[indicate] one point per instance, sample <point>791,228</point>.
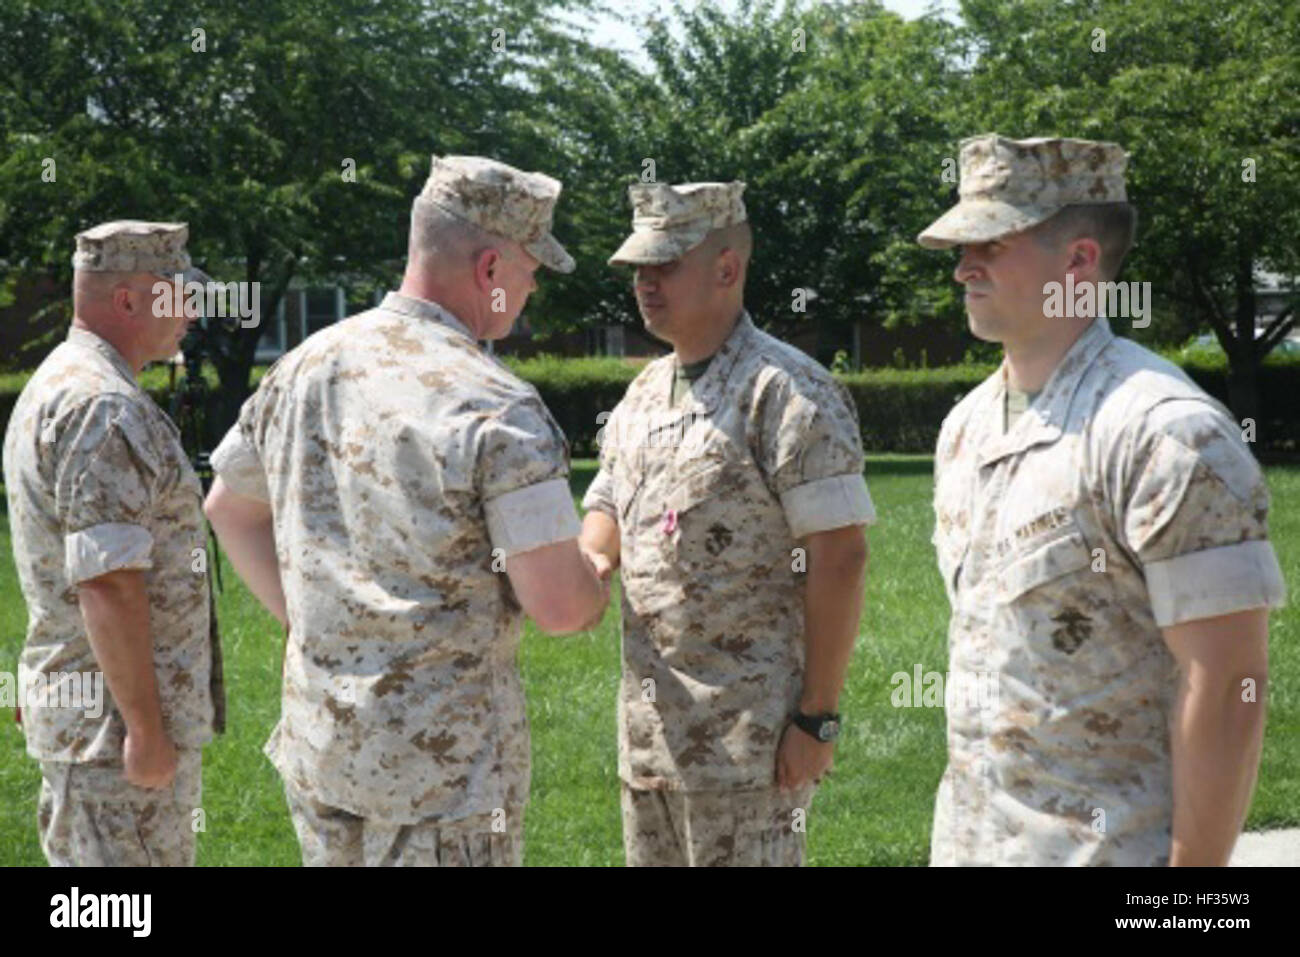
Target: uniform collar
<point>1042,422</point>
<point>89,340</point>
<point>424,309</point>
<point>709,389</point>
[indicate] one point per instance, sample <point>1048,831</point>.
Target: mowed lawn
<point>874,809</point>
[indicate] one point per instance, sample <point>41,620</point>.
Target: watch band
<point>822,727</point>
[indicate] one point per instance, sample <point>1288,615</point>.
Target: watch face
<point>829,730</point>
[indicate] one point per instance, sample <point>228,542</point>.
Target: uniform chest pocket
<point>704,521</point>
<point>1040,566</point>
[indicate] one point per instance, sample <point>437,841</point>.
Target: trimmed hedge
<point>900,409</point>
<point>577,391</point>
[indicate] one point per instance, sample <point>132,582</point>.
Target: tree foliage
<point>843,118</point>
<point>1205,96</point>
<point>243,130</point>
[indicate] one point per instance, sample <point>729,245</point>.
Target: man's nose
<point>968,267</point>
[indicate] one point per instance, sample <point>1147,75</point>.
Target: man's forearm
<point>246,529</point>
<point>115,608</point>
<point>832,611</point>
<point>251,550</point>
<point>1216,740</point>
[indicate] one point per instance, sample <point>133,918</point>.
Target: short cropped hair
<point>1112,225</point>
<point>738,237</point>
<point>92,286</point>
<point>439,235</point>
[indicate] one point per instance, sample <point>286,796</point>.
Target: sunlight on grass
<point>874,809</point>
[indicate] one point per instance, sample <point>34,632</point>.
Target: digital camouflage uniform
<point>403,465</point>
<point>1010,185</point>
<point>98,482</point>
<point>91,816</point>
<point>712,497</point>
<point>1121,502</point>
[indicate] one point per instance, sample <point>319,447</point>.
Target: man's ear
<point>728,271</point>
<point>487,264</point>
<point>1085,257</point>
<point>123,301</point>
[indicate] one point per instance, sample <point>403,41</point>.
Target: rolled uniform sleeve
<point>522,467</point>
<point>106,474</point>
<point>812,450</point>
<point>1196,517</point>
<point>237,460</point>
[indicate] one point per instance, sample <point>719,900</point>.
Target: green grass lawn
<point>874,809</point>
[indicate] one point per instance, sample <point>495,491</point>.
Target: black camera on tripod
<point>190,403</point>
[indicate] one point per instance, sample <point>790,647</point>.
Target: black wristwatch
<point>823,727</point>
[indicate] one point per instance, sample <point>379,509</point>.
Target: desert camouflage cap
<point>669,221</point>
<point>1010,185</point>
<point>130,245</point>
<point>501,199</point>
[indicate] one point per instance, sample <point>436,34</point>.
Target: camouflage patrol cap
<point>502,200</point>
<point>1010,185</point>
<point>130,245</point>
<point>670,221</point>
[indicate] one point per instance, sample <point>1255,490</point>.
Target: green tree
<point>713,74</point>
<point>855,162</point>
<point>244,130</point>
<point>823,109</point>
<point>1193,90</point>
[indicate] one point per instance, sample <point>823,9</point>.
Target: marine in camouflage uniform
<point>98,482</point>
<point>1120,502</point>
<point>403,465</point>
<point>713,496</point>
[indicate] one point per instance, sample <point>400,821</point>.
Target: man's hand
<point>150,759</point>
<point>600,543</point>
<point>801,759</point>
<point>601,564</point>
